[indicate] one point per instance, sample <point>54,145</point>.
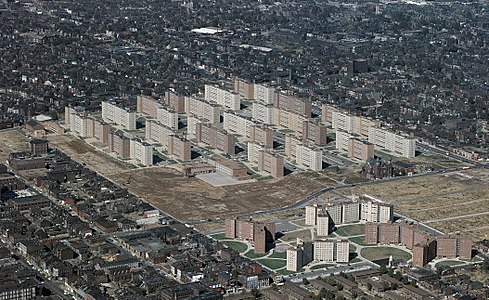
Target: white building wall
<point>223,97</point>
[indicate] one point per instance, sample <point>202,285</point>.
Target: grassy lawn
<point>273,263</point>
<point>353,249</point>
<point>252,254</point>
<point>447,264</point>
<point>360,240</point>
<point>292,236</point>
<point>321,266</point>
<point>278,255</point>
<point>218,236</point>
<point>301,222</point>
<point>376,253</point>
<point>355,260</point>
<point>238,246</point>
<point>351,230</point>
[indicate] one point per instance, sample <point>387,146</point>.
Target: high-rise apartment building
<point>322,226</point>
<point>147,105</point>
<point>324,250</point>
<point>309,157</point>
<point>262,134</point>
<point>261,234</point>
<point>141,152</point>
<point>314,132</point>
<point>167,117</point>
<point>158,133</point>
<point>264,93</point>
<point>253,149</point>
<point>244,88</point>
<point>175,102</point>
<point>112,113</point>
<point>208,112</point>
<point>335,213</point>
<point>355,147</point>
<point>395,143</point>
<point>299,255</point>
<point>454,246</point>
<point>120,144</point>
<point>288,119</point>
<point>350,212</point>
<point>230,228</point>
<point>101,131</point>
<point>291,143</point>
<point>424,253</point>
<point>262,113</point>
<point>179,147</point>
<point>332,250</point>
<point>214,137</point>
<point>388,233</point>
<point>293,104</point>
<point>238,124</point>
<point>223,97</point>
<point>425,247</point>
<point>376,212</point>
<point>311,214</point>
<point>271,162</point>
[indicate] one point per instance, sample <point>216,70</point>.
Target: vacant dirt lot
<point>452,203</point>
<point>191,199</point>
<point>84,153</point>
<point>12,141</point>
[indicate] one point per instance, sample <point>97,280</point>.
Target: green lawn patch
<point>301,222</point>
<point>360,240</point>
<point>447,264</point>
<point>351,230</point>
<point>376,253</point>
<point>278,255</point>
<point>251,254</point>
<point>355,260</point>
<point>272,263</point>
<point>292,236</point>
<point>218,236</point>
<point>321,266</point>
<point>238,246</point>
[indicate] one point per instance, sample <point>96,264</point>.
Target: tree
<point>305,281</point>
<point>485,266</point>
<point>255,293</point>
<point>369,286</point>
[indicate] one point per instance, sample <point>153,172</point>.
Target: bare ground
<point>457,196</point>
<point>191,199</point>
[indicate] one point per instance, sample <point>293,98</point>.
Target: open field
<point>377,253</point>
<point>273,263</point>
<point>448,263</point>
<point>301,234</point>
<point>238,246</point>
<point>360,240</point>
<point>351,230</point>
<point>456,202</point>
<point>12,140</point>
<point>84,153</point>
<point>251,254</point>
<point>190,199</point>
